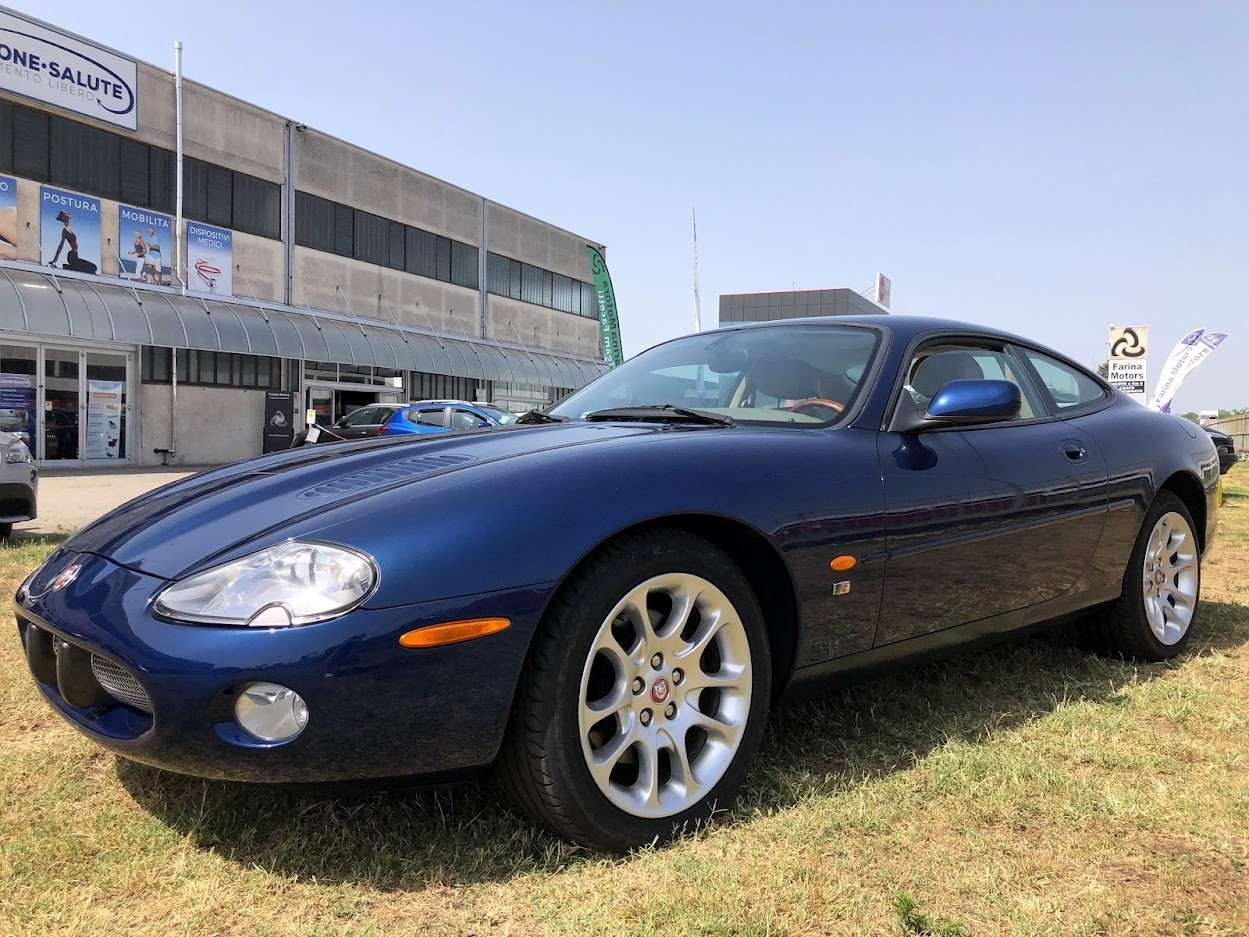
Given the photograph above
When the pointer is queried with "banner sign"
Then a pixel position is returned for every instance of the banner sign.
(144, 240)
(8, 218)
(1192, 349)
(884, 286)
(279, 429)
(58, 69)
(69, 230)
(209, 258)
(609, 323)
(17, 406)
(1125, 370)
(104, 416)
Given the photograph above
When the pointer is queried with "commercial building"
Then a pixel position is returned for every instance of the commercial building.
(794, 304)
(309, 273)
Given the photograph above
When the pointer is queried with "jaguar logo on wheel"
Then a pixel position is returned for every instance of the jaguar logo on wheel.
(659, 690)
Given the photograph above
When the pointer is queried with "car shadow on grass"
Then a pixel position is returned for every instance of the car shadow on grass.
(411, 838)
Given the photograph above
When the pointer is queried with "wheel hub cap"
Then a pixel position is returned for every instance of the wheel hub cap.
(659, 690)
(1171, 577)
(656, 748)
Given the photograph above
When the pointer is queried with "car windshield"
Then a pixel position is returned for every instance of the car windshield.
(501, 415)
(789, 375)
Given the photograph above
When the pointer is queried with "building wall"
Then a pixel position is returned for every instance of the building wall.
(340, 284)
(794, 304)
(205, 435)
(526, 239)
(509, 320)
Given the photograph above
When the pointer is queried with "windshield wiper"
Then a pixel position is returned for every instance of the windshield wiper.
(665, 412)
(537, 416)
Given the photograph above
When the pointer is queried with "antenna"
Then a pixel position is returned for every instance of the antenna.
(698, 303)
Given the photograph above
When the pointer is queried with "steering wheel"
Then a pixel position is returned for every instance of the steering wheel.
(816, 403)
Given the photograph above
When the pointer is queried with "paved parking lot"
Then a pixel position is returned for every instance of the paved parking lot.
(70, 500)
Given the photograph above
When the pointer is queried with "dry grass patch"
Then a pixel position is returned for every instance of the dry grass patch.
(1028, 789)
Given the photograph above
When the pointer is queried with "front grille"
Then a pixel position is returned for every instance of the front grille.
(120, 684)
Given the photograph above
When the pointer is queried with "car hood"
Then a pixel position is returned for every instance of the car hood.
(178, 527)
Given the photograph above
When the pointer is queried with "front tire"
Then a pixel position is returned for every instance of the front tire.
(1152, 620)
(644, 697)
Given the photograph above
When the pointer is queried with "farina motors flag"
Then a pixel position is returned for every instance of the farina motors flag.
(1192, 349)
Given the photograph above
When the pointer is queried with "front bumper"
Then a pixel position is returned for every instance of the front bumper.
(375, 709)
(18, 499)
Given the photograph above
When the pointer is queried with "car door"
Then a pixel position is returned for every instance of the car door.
(428, 419)
(360, 423)
(983, 520)
(462, 418)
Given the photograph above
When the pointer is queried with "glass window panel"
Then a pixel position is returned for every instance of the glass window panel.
(531, 284)
(30, 144)
(61, 407)
(444, 259)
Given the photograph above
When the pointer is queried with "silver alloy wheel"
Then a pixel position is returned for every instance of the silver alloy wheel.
(1170, 577)
(665, 695)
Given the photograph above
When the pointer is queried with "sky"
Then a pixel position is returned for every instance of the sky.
(1046, 168)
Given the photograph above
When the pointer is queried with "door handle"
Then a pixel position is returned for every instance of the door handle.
(1074, 451)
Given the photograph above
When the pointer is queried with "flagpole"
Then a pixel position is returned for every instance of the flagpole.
(698, 303)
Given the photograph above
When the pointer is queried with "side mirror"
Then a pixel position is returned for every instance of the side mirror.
(961, 403)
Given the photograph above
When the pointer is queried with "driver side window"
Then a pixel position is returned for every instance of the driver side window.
(935, 366)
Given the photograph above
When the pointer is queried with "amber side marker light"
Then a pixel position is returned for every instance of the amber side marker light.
(453, 632)
(840, 564)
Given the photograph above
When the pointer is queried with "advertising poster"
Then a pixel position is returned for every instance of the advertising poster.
(69, 230)
(145, 245)
(8, 218)
(104, 415)
(17, 406)
(279, 430)
(209, 258)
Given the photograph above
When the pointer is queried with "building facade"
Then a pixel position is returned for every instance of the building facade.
(794, 304)
(303, 265)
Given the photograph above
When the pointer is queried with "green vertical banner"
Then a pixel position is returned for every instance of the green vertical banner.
(608, 321)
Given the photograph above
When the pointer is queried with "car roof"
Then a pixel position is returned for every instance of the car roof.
(903, 326)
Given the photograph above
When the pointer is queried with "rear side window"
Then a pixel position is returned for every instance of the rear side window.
(463, 419)
(1068, 387)
(365, 416)
(426, 417)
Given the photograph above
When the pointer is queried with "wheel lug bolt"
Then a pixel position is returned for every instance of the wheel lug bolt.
(671, 710)
(638, 685)
(677, 676)
(657, 661)
(645, 717)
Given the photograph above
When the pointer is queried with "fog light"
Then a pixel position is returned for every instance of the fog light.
(271, 712)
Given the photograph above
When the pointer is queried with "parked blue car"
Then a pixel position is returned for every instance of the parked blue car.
(421, 418)
(603, 602)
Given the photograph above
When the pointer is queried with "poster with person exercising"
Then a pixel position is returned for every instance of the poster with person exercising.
(69, 230)
(146, 245)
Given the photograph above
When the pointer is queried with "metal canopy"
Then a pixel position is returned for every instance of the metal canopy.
(63, 306)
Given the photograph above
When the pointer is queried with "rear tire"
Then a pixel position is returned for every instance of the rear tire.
(1153, 618)
(644, 696)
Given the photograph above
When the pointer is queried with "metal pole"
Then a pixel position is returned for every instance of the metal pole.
(698, 303)
(288, 215)
(177, 250)
(177, 85)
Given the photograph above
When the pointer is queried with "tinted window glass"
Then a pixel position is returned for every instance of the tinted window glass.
(344, 225)
(463, 419)
(133, 186)
(30, 144)
(422, 252)
(444, 259)
(426, 417)
(257, 206)
(464, 264)
(314, 221)
(365, 416)
(370, 235)
(1067, 387)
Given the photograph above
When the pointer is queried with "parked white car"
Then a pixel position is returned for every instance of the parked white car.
(19, 484)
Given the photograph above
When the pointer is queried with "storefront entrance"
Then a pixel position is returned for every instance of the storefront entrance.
(332, 402)
(70, 405)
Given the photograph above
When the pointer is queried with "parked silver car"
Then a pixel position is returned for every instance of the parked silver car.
(19, 483)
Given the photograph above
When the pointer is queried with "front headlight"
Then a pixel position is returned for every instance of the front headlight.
(16, 452)
(294, 583)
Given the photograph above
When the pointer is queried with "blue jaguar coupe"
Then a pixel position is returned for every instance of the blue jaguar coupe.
(602, 604)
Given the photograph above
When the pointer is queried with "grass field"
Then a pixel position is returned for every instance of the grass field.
(1028, 789)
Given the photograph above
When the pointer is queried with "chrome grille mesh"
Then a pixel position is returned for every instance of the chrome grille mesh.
(119, 684)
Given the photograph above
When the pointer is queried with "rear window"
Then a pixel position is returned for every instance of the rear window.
(1068, 387)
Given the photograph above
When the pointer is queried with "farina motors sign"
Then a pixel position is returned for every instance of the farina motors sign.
(49, 66)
